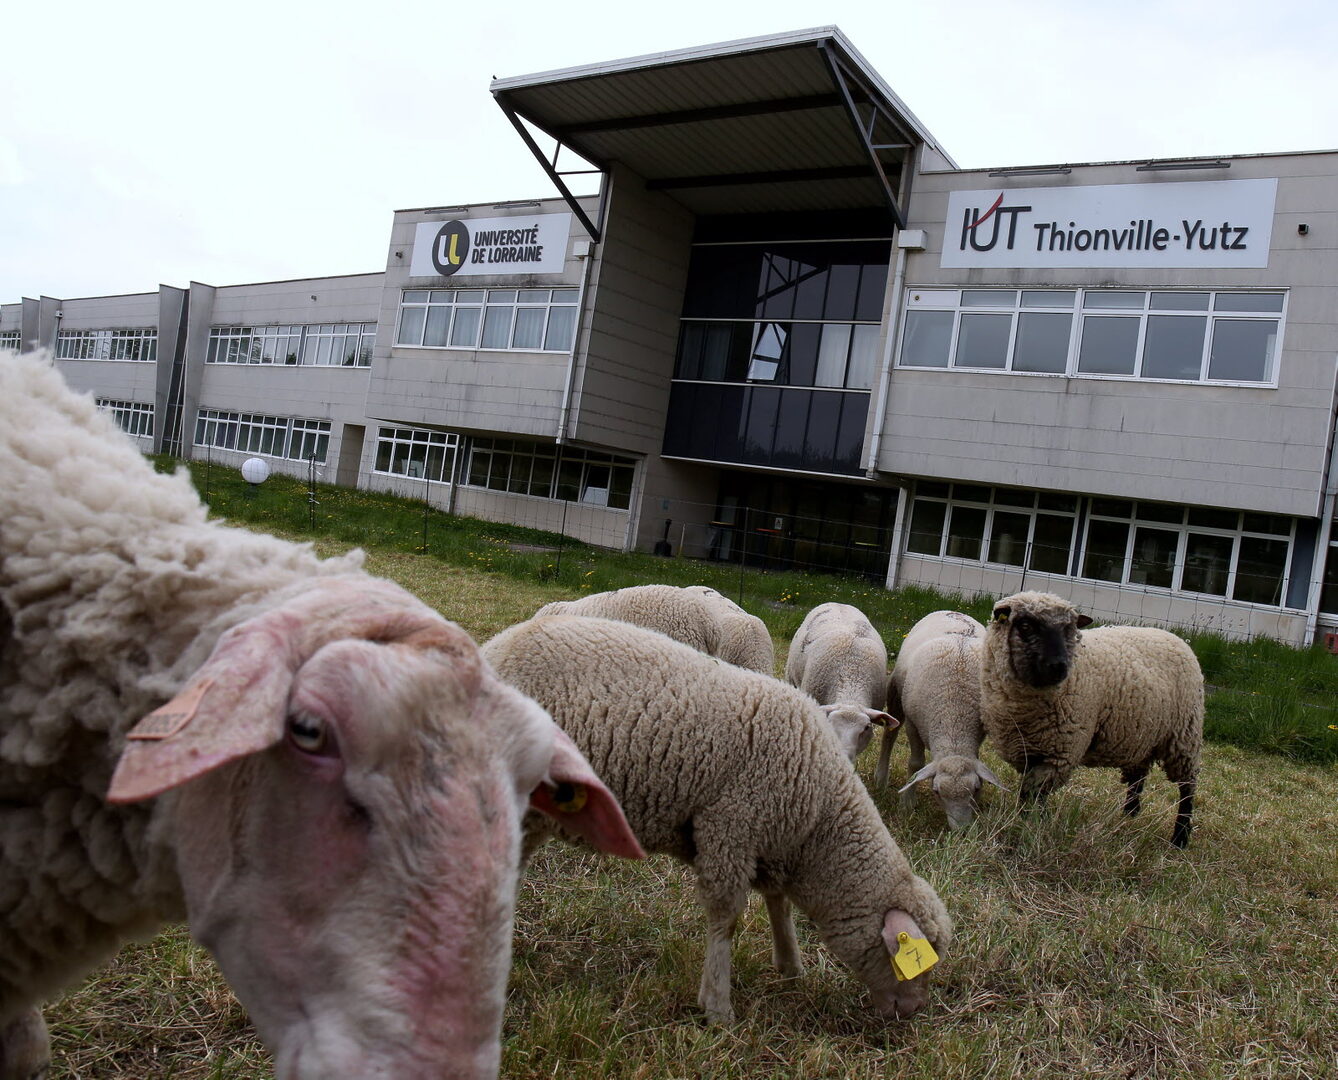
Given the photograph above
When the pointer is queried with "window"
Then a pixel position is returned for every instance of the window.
(320, 344)
(132, 417)
(837, 356)
(274, 436)
(1212, 552)
(426, 455)
(139, 345)
(1173, 335)
(551, 472)
(1001, 526)
(530, 320)
(11, 339)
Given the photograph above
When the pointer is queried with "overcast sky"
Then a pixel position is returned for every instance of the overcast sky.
(146, 142)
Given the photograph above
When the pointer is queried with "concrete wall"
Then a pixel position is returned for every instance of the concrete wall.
(1260, 449)
(637, 296)
(468, 389)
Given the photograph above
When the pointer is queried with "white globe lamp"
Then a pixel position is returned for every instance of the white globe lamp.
(255, 471)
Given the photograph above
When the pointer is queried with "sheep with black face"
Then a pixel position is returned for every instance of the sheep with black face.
(1055, 696)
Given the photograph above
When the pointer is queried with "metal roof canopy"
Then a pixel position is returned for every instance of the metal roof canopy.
(787, 123)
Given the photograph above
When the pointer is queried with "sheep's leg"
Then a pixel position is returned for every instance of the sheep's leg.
(784, 943)
(915, 763)
(722, 916)
(885, 756)
(25, 1050)
(1183, 815)
(1133, 796)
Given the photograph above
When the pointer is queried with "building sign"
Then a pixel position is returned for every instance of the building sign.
(491, 246)
(1221, 223)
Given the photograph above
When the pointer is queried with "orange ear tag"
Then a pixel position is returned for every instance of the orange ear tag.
(913, 957)
(167, 720)
(570, 798)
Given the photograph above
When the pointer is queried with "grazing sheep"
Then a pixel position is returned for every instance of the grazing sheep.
(312, 767)
(1054, 697)
(935, 691)
(695, 615)
(840, 661)
(739, 776)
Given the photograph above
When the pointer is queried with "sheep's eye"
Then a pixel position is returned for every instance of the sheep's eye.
(308, 733)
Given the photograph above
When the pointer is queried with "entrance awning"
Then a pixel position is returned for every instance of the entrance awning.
(788, 123)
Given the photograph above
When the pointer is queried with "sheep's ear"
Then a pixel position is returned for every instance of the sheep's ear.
(926, 773)
(886, 720)
(1084, 621)
(986, 774)
(237, 702)
(1002, 612)
(575, 797)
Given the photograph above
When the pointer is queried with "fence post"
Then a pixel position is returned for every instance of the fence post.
(311, 492)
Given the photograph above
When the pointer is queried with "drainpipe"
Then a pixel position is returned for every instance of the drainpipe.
(1327, 506)
(570, 382)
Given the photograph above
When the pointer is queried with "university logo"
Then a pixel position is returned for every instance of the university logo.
(985, 239)
(450, 248)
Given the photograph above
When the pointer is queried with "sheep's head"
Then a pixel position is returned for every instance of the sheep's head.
(854, 725)
(1039, 632)
(957, 780)
(344, 781)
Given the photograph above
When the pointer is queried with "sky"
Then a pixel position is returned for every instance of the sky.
(146, 142)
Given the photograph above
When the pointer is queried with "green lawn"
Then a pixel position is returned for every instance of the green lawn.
(1086, 945)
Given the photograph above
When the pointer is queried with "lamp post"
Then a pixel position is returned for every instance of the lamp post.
(255, 471)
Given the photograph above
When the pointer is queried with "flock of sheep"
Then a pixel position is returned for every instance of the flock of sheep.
(337, 789)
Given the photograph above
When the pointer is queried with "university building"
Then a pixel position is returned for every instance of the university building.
(790, 330)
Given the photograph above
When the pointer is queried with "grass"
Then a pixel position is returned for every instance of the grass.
(1086, 945)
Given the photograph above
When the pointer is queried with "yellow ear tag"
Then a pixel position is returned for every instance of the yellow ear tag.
(913, 957)
(570, 798)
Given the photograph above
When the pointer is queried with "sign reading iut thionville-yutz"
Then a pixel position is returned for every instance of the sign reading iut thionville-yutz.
(1209, 223)
(491, 246)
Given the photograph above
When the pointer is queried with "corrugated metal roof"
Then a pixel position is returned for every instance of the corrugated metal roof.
(694, 122)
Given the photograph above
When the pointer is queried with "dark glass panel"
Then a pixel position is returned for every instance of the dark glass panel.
(791, 424)
(1153, 561)
(850, 436)
(802, 358)
(810, 290)
(824, 424)
(1104, 558)
(1213, 519)
(1008, 538)
(759, 430)
(1052, 544)
(872, 288)
(932, 487)
(966, 530)
(1259, 569)
(775, 298)
(1207, 563)
(1267, 523)
(842, 292)
(1167, 512)
(926, 531)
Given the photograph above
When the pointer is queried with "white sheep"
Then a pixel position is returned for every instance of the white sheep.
(740, 776)
(312, 767)
(695, 615)
(935, 691)
(839, 660)
(1054, 696)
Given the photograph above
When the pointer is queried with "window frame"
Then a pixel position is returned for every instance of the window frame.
(237, 426)
(1012, 302)
(565, 467)
(135, 418)
(490, 300)
(243, 344)
(91, 344)
(426, 439)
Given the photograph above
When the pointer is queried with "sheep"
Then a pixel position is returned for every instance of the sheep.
(839, 660)
(695, 615)
(312, 767)
(740, 776)
(1055, 696)
(935, 691)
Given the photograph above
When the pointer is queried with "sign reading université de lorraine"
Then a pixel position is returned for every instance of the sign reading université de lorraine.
(1219, 223)
(491, 246)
